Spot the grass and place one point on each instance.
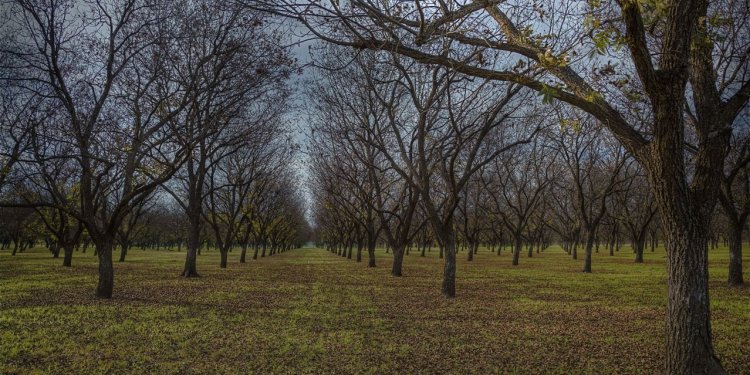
(308, 312)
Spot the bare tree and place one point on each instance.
(87, 59)
(517, 184)
(593, 162)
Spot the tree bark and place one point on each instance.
(735, 254)
(106, 269)
(371, 243)
(191, 254)
(638, 245)
(243, 253)
(689, 347)
(588, 251)
(516, 250)
(449, 270)
(123, 251)
(398, 260)
(224, 257)
(68, 259)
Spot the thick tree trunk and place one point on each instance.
(106, 269)
(588, 252)
(371, 243)
(398, 260)
(449, 270)
(224, 257)
(735, 254)
(68, 259)
(470, 253)
(516, 250)
(191, 255)
(638, 246)
(689, 347)
(360, 245)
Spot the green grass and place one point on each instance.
(308, 312)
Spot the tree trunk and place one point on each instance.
(371, 243)
(106, 269)
(470, 253)
(243, 253)
(449, 270)
(689, 347)
(516, 250)
(360, 245)
(638, 246)
(224, 255)
(123, 251)
(398, 260)
(191, 254)
(735, 254)
(68, 259)
(588, 251)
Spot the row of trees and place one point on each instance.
(115, 111)
(668, 80)
(572, 183)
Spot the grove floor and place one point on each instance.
(308, 311)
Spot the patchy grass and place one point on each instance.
(308, 311)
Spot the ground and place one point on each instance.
(308, 311)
